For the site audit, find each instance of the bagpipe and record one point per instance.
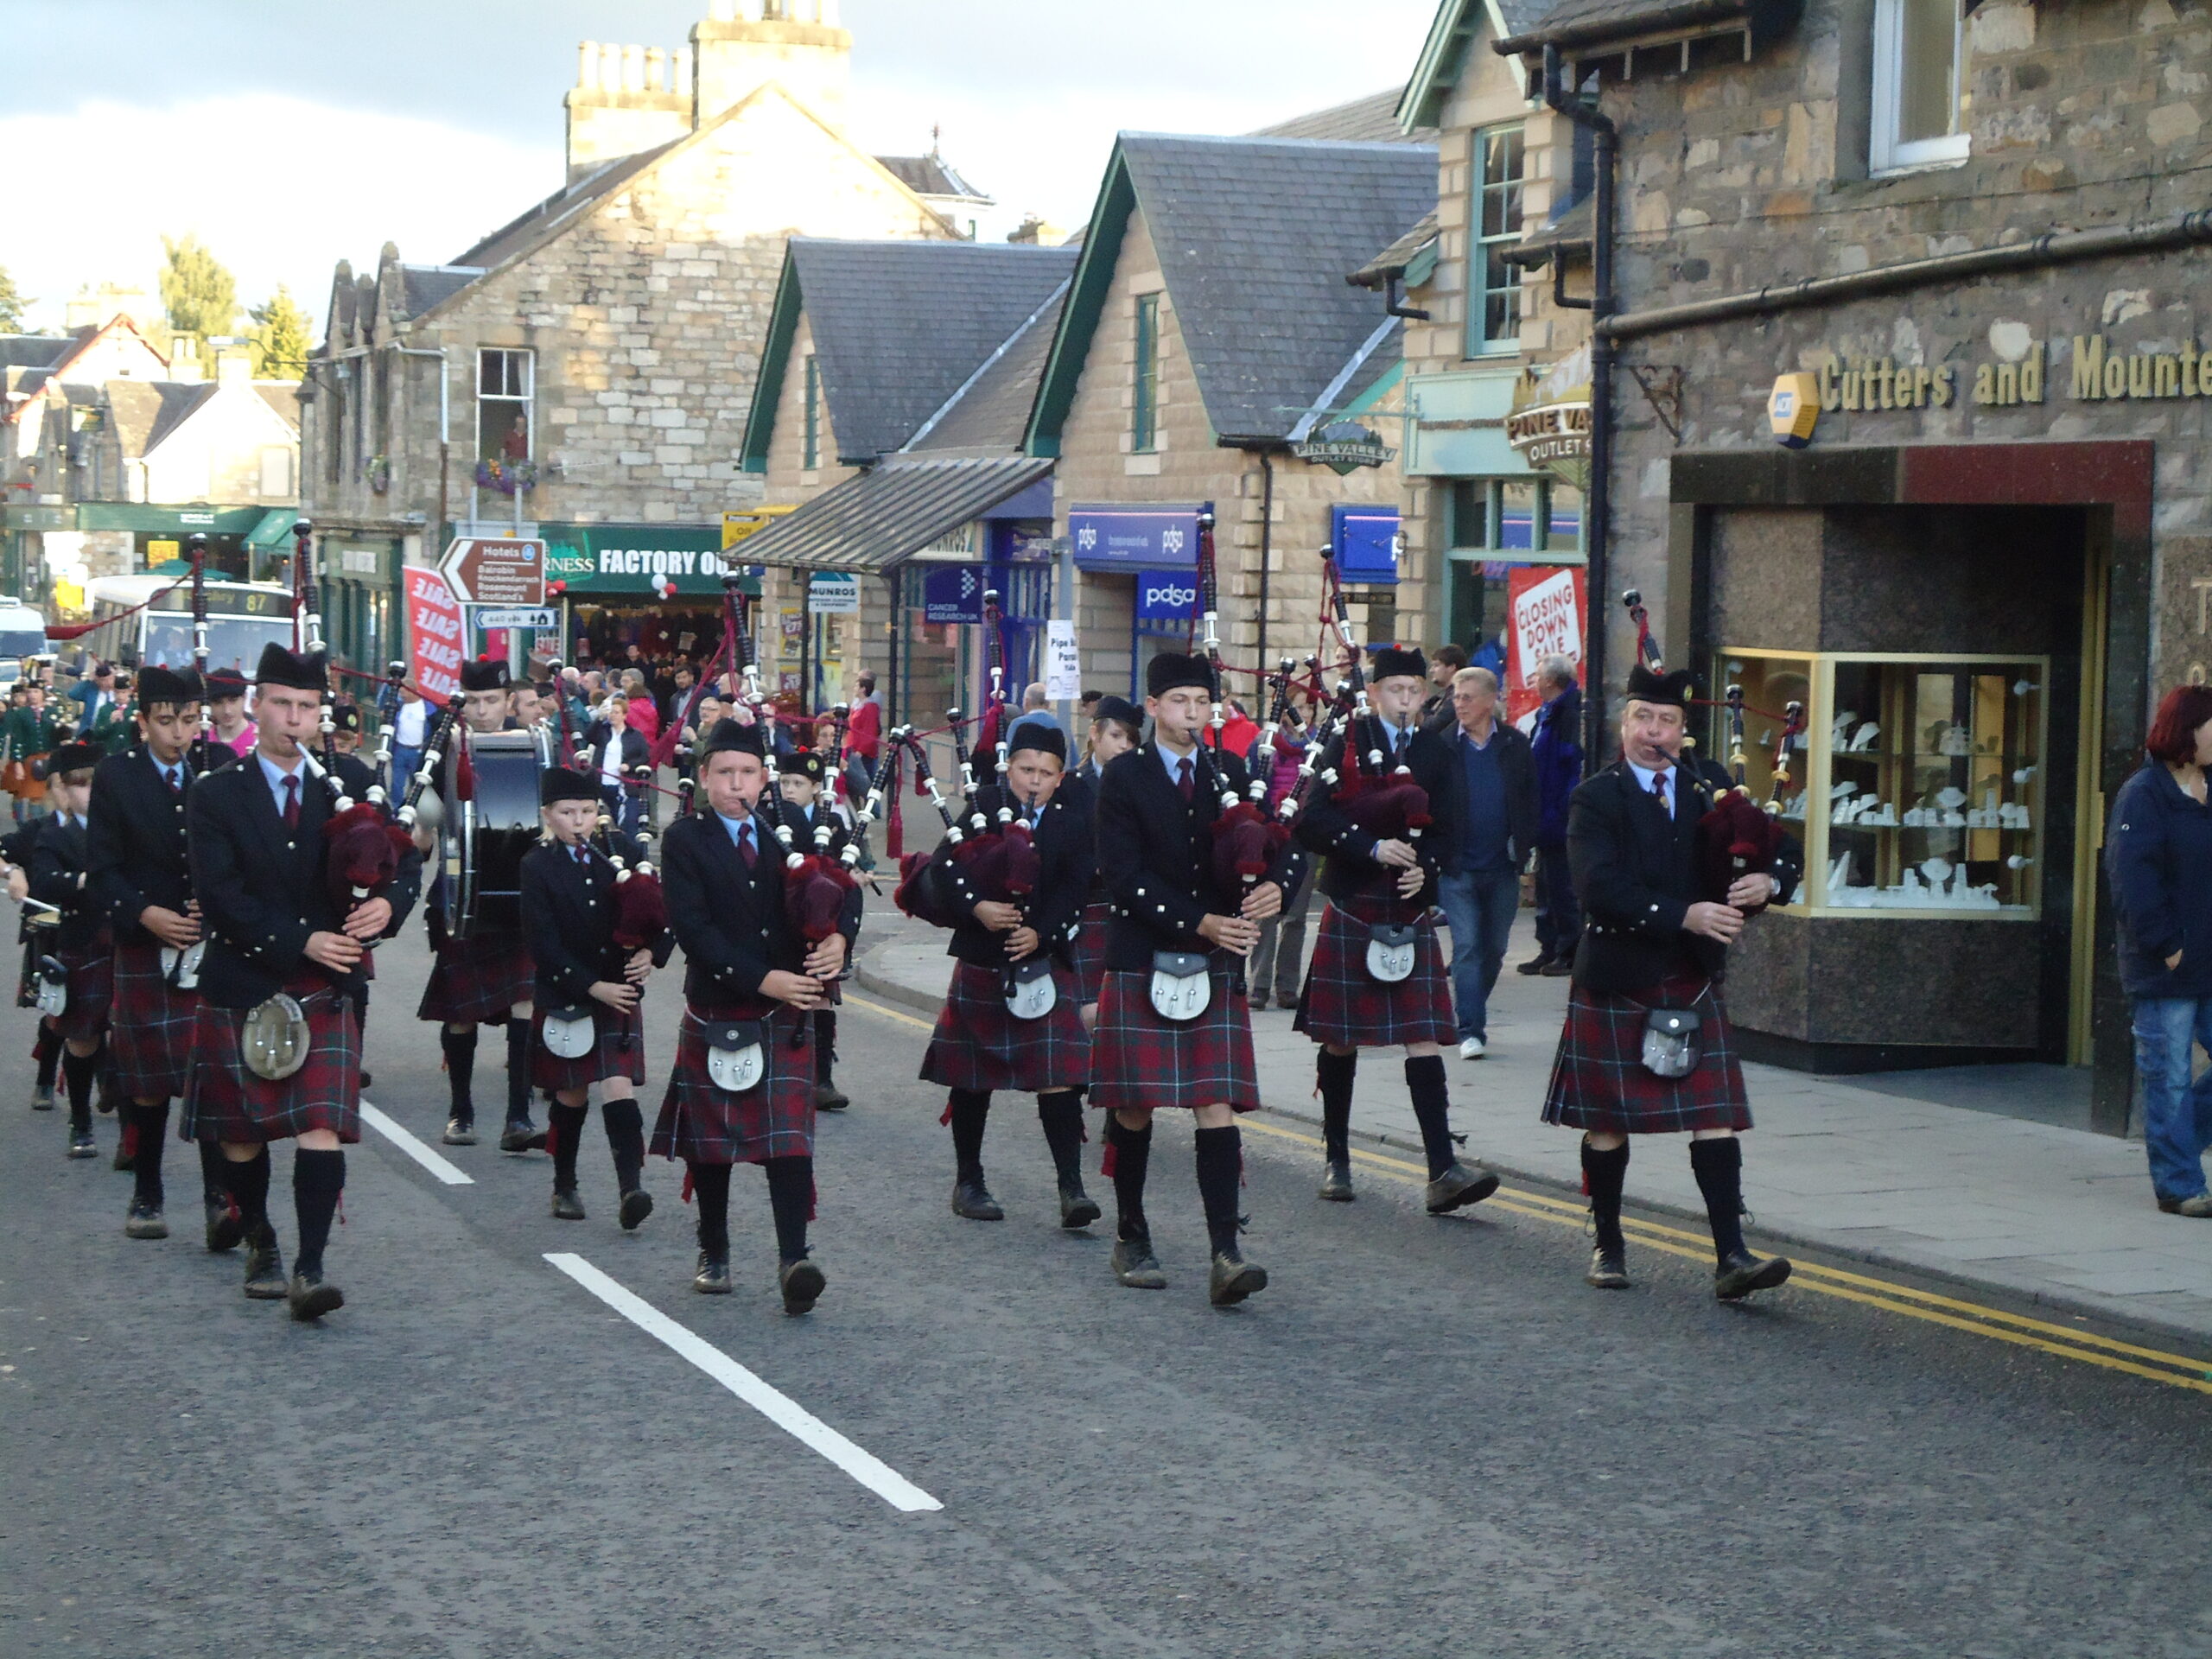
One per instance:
(1245, 838)
(181, 967)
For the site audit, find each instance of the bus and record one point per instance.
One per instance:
(23, 647)
(242, 618)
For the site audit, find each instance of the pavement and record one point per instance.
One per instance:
(1879, 1169)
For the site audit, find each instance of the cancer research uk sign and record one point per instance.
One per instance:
(1545, 610)
(436, 634)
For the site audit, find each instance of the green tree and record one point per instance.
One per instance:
(200, 297)
(12, 305)
(280, 337)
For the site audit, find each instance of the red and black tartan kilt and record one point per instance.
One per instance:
(477, 980)
(92, 991)
(978, 1045)
(226, 1102)
(1345, 1007)
(1091, 952)
(703, 1124)
(155, 1026)
(1598, 1080)
(620, 1051)
(1140, 1060)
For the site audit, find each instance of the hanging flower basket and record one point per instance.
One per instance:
(515, 477)
(376, 472)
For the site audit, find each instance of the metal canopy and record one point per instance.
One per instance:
(890, 513)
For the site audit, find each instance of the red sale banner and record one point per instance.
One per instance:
(1545, 610)
(435, 634)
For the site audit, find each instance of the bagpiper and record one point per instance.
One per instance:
(802, 778)
(1011, 1019)
(587, 1027)
(486, 979)
(1646, 1048)
(1378, 977)
(278, 1050)
(83, 948)
(1116, 726)
(741, 1091)
(136, 851)
(1173, 1030)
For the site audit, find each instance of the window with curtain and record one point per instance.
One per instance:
(1920, 85)
(1144, 404)
(810, 425)
(1493, 286)
(504, 386)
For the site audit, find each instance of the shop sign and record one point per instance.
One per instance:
(1166, 595)
(833, 595)
(1063, 664)
(953, 593)
(1545, 608)
(435, 634)
(606, 559)
(1366, 542)
(1549, 422)
(1025, 549)
(739, 523)
(1345, 447)
(1111, 539)
(16, 518)
(1793, 409)
(2021, 372)
(959, 542)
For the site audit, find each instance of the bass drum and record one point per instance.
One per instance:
(489, 826)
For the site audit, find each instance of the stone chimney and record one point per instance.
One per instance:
(626, 98)
(797, 43)
(184, 360)
(233, 361)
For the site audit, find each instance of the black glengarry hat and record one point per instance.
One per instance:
(802, 763)
(1671, 689)
(1385, 662)
(732, 736)
(559, 784)
(1173, 673)
(1037, 735)
(73, 756)
(1113, 708)
(222, 683)
(172, 686)
(297, 671)
(483, 676)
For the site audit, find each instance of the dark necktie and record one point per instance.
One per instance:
(744, 848)
(1184, 781)
(1659, 789)
(175, 775)
(1404, 737)
(583, 857)
(292, 802)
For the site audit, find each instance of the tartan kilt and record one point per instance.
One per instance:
(155, 1026)
(1091, 952)
(1598, 1081)
(702, 1124)
(479, 980)
(226, 1102)
(92, 991)
(1139, 1059)
(978, 1045)
(1344, 1005)
(620, 1051)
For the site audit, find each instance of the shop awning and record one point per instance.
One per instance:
(276, 524)
(891, 511)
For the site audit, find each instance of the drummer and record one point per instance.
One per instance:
(484, 979)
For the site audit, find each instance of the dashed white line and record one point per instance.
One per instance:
(779, 1408)
(451, 1174)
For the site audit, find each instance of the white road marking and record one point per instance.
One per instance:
(779, 1408)
(451, 1174)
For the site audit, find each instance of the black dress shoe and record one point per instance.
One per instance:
(224, 1229)
(973, 1200)
(365, 1078)
(522, 1135)
(1258, 1004)
(460, 1132)
(1457, 1187)
(1535, 964)
(1135, 1266)
(80, 1143)
(637, 1204)
(42, 1099)
(567, 1206)
(1609, 1267)
(1741, 1273)
(829, 1097)
(1233, 1280)
(1559, 968)
(1336, 1183)
(311, 1296)
(801, 1282)
(1077, 1207)
(712, 1277)
(264, 1270)
(144, 1221)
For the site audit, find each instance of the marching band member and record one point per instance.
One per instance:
(278, 1049)
(82, 942)
(1173, 1028)
(226, 708)
(1116, 726)
(801, 780)
(742, 1087)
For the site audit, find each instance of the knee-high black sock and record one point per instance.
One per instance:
(151, 1127)
(568, 1131)
(518, 1072)
(249, 1185)
(459, 1047)
(1432, 1098)
(78, 1072)
(1335, 1073)
(626, 1138)
(1132, 1150)
(1605, 1174)
(825, 1043)
(711, 1187)
(1221, 1165)
(214, 1173)
(1719, 1165)
(790, 1196)
(49, 1057)
(1061, 1112)
(971, 1109)
(317, 1179)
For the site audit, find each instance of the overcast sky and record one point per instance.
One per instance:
(289, 134)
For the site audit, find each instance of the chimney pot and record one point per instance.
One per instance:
(656, 69)
(586, 63)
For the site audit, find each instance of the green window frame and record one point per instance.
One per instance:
(1494, 226)
(1144, 402)
(810, 430)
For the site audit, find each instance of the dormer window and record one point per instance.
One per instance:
(1920, 85)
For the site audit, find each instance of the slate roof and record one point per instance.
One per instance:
(283, 395)
(929, 175)
(1254, 236)
(35, 351)
(542, 223)
(891, 511)
(1369, 120)
(899, 327)
(989, 416)
(1452, 34)
(1393, 259)
(422, 287)
(1572, 231)
(1576, 24)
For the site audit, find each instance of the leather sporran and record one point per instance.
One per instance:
(1391, 953)
(275, 1041)
(182, 967)
(1030, 992)
(1182, 988)
(569, 1032)
(736, 1056)
(1672, 1045)
(52, 994)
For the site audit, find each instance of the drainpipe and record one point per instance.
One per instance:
(1597, 506)
(1267, 547)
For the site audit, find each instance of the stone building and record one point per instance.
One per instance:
(585, 369)
(1909, 427)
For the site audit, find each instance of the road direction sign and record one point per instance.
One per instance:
(490, 571)
(488, 617)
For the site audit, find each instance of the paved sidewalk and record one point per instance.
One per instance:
(2061, 1216)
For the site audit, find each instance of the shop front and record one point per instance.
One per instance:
(363, 609)
(1137, 582)
(613, 579)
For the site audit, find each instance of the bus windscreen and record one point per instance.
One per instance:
(233, 642)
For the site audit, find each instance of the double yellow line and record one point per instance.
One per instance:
(2176, 1370)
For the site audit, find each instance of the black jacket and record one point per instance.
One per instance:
(1155, 854)
(637, 753)
(1325, 827)
(262, 889)
(1636, 874)
(1065, 864)
(57, 872)
(2159, 859)
(731, 922)
(136, 846)
(1516, 764)
(568, 920)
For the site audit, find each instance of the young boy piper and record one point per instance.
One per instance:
(588, 1028)
(1173, 1030)
(801, 776)
(82, 944)
(742, 1088)
(998, 1031)
(1116, 726)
